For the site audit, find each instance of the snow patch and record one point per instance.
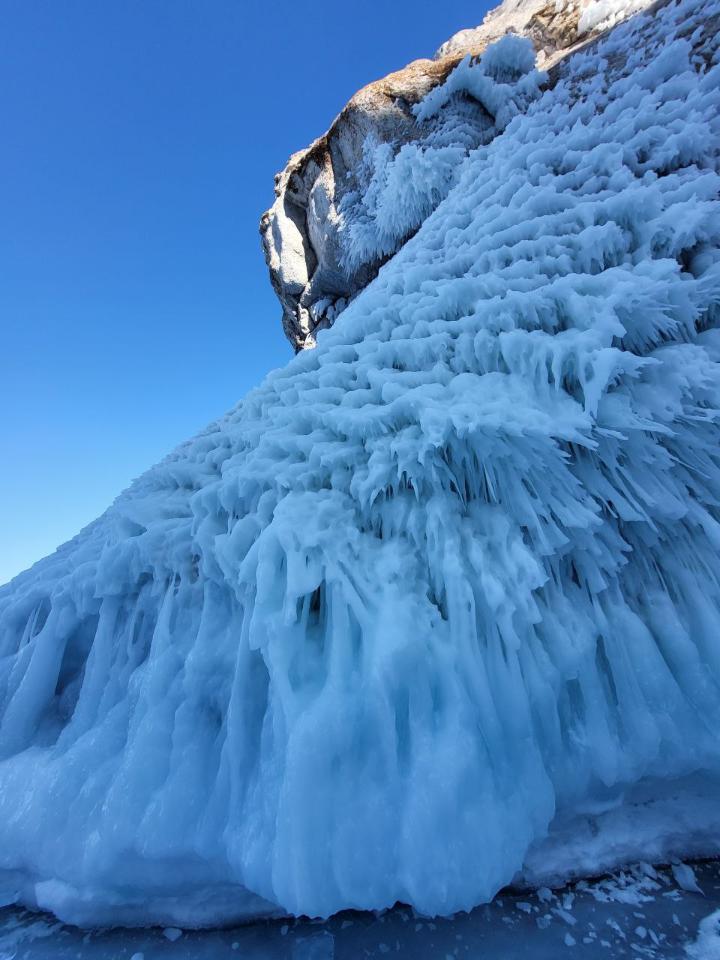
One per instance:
(707, 943)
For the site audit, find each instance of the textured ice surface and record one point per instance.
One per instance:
(639, 912)
(404, 186)
(438, 603)
(707, 945)
(604, 13)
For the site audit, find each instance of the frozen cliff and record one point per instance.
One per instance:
(356, 195)
(437, 606)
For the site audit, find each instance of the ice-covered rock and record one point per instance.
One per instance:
(437, 605)
(328, 232)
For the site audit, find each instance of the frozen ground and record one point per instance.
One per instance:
(639, 913)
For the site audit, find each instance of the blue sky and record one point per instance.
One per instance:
(139, 143)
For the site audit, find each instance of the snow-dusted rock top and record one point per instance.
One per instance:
(438, 604)
(328, 232)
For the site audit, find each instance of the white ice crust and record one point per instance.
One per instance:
(405, 186)
(438, 605)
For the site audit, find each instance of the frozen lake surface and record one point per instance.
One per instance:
(639, 913)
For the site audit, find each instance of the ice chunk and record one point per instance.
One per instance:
(707, 944)
(685, 877)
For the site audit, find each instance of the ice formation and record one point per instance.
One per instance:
(707, 945)
(438, 604)
(400, 188)
(329, 230)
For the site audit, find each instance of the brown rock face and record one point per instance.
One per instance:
(309, 235)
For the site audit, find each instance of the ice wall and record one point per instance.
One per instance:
(440, 594)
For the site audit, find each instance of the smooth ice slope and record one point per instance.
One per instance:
(436, 591)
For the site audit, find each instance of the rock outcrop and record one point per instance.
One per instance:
(326, 235)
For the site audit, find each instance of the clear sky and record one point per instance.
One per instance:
(139, 139)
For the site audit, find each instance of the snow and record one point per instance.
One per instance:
(437, 605)
(602, 14)
(707, 944)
